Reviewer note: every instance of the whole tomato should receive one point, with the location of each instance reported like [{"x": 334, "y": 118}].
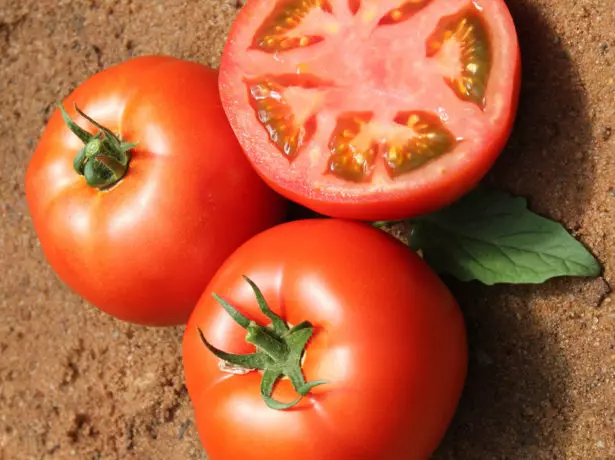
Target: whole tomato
[
  {"x": 142, "y": 195},
  {"x": 354, "y": 349}
]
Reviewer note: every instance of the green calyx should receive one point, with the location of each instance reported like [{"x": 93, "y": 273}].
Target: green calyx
[
  {"x": 104, "y": 159},
  {"x": 279, "y": 350}
]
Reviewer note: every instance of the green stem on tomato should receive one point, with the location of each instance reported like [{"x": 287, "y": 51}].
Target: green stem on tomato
[
  {"x": 104, "y": 159},
  {"x": 279, "y": 350},
  {"x": 262, "y": 339}
]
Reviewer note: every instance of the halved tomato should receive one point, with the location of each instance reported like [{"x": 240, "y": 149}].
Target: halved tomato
[{"x": 372, "y": 109}]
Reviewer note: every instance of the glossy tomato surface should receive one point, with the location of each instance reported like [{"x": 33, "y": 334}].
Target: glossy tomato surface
[
  {"x": 388, "y": 337},
  {"x": 144, "y": 249},
  {"x": 372, "y": 110}
]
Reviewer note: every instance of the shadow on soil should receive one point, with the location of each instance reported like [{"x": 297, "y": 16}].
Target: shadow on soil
[
  {"x": 546, "y": 159},
  {"x": 518, "y": 381}
]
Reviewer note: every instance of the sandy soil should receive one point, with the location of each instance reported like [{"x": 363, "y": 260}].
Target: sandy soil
[{"x": 75, "y": 383}]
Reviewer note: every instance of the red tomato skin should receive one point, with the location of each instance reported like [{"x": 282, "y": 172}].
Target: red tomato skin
[
  {"x": 416, "y": 200},
  {"x": 389, "y": 337},
  {"x": 144, "y": 250}
]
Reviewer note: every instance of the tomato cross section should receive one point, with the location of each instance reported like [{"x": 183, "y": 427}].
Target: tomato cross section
[{"x": 371, "y": 98}]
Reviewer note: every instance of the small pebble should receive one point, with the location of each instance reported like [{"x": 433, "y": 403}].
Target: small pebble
[{"x": 182, "y": 429}]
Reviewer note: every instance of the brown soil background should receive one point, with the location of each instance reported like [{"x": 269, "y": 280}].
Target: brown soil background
[{"x": 75, "y": 383}]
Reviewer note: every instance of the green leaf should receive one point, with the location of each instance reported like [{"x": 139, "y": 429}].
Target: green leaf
[{"x": 492, "y": 237}]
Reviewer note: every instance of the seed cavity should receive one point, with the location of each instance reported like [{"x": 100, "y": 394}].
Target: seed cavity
[
  {"x": 277, "y": 116},
  {"x": 413, "y": 139},
  {"x": 275, "y": 34},
  {"x": 468, "y": 30},
  {"x": 353, "y": 151},
  {"x": 429, "y": 140}
]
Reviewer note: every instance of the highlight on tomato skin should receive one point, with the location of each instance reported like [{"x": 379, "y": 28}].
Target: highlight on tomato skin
[
  {"x": 383, "y": 348},
  {"x": 333, "y": 79}
]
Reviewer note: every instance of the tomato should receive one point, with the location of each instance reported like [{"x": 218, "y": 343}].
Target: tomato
[
  {"x": 141, "y": 237},
  {"x": 372, "y": 110},
  {"x": 383, "y": 332}
]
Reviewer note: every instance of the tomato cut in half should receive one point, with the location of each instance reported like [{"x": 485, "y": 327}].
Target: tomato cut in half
[{"x": 372, "y": 110}]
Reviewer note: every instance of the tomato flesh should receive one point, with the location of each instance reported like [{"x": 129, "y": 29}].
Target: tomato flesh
[{"x": 372, "y": 109}]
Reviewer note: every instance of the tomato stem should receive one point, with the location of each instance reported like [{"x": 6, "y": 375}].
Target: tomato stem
[
  {"x": 104, "y": 159},
  {"x": 279, "y": 350},
  {"x": 264, "y": 340}
]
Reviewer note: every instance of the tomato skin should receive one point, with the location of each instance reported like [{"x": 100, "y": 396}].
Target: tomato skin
[
  {"x": 389, "y": 337},
  {"x": 308, "y": 182},
  {"x": 144, "y": 250}
]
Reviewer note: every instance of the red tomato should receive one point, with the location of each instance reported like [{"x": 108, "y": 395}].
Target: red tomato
[
  {"x": 372, "y": 110},
  {"x": 143, "y": 248},
  {"x": 388, "y": 337}
]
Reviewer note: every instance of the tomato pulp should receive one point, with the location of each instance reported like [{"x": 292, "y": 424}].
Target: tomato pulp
[
  {"x": 140, "y": 236},
  {"x": 370, "y": 109},
  {"x": 388, "y": 339}
]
